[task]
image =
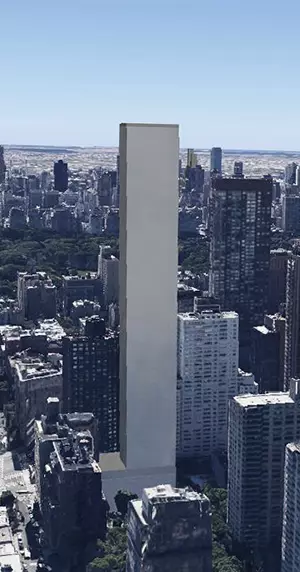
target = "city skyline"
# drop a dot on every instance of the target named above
(89, 65)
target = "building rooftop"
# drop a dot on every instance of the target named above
(81, 277)
(52, 329)
(250, 400)
(29, 367)
(294, 447)
(263, 330)
(207, 314)
(75, 453)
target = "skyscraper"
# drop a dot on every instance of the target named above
(2, 165)
(61, 176)
(238, 169)
(208, 355)
(91, 379)
(260, 426)
(240, 249)
(267, 353)
(169, 530)
(290, 551)
(291, 213)
(148, 308)
(216, 159)
(292, 326)
(277, 279)
(191, 160)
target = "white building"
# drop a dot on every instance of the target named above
(149, 156)
(260, 426)
(290, 554)
(208, 376)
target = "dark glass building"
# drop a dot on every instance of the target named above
(91, 379)
(240, 221)
(267, 355)
(2, 165)
(61, 178)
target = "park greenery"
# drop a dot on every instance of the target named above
(30, 250)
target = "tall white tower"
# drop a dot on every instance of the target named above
(208, 354)
(149, 156)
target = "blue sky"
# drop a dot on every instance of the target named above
(227, 71)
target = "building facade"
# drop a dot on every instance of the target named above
(216, 160)
(290, 550)
(61, 177)
(148, 308)
(169, 529)
(259, 429)
(36, 295)
(69, 485)
(267, 354)
(277, 279)
(292, 312)
(208, 376)
(240, 249)
(91, 381)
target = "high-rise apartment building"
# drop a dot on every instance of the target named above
(191, 160)
(291, 213)
(148, 327)
(108, 272)
(208, 376)
(216, 160)
(169, 529)
(260, 426)
(238, 169)
(290, 550)
(36, 295)
(91, 379)
(2, 165)
(277, 279)
(61, 177)
(290, 173)
(240, 249)
(267, 353)
(292, 326)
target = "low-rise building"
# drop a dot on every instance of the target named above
(69, 484)
(35, 378)
(9, 557)
(83, 287)
(169, 530)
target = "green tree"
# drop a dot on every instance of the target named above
(122, 499)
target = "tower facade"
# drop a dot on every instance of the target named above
(240, 248)
(292, 324)
(148, 308)
(216, 159)
(61, 178)
(290, 550)
(2, 165)
(260, 426)
(208, 354)
(169, 529)
(91, 380)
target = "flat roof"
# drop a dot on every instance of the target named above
(173, 125)
(263, 330)
(249, 400)
(206, 313)
(111, 462)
